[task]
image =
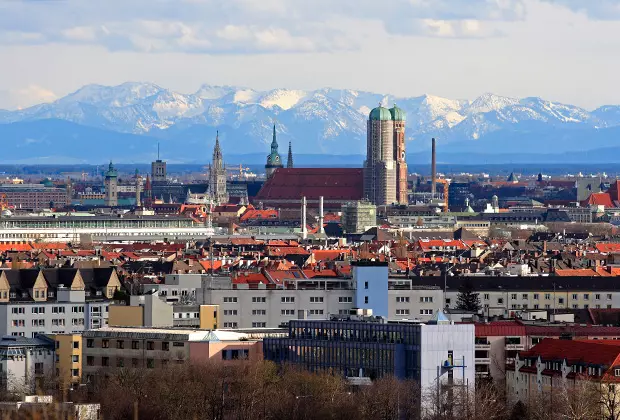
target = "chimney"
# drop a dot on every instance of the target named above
(433, 168)
(304, 230)
(321, 217)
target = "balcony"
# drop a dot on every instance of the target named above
(483, 346)
(514, 347)
(482, 360)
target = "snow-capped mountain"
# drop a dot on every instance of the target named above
(323, 121)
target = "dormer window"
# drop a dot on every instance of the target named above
(98, 293)
(12, 295)
(50, 293)
(617, 372)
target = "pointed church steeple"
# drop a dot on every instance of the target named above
(289, 160)
(273, 159)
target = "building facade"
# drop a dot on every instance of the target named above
(400, 156)
(55, 301)
(358, 216)
(273, 159)
(158, 172)
(111, 187)
(436, 356)
(217, 176)
(24, 361)
(34, 196)
(148, 348)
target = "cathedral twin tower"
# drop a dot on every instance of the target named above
(385, 168)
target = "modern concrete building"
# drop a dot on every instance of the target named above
(111, 187)
(273, 159)
(153, 309)
(358, 216)
(113, 348)
(217, 176)
(437, 356)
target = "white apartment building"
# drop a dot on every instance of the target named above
(55, 301)
(242, 306)
(23, 360)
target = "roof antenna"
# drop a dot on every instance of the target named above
(157, 150)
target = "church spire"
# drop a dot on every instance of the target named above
(289, 160)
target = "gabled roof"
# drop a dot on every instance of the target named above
(575, 351)
(332, 183)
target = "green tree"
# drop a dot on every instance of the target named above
(467, 298)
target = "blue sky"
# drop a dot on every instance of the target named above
(564, 50)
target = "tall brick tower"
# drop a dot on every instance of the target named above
(380, 166)
(398, 117)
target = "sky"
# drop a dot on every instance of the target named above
(561, 50)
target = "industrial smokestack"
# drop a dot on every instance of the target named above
(304, 230)
(433, 169)
(321, 218)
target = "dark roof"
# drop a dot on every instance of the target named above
(331, 183)
(515, 283)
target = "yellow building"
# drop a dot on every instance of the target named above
(68, 358)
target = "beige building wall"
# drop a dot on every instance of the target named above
(126, 316)
(210, 317)
(68, 358)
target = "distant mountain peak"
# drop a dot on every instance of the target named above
(326, 120)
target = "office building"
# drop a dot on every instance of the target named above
(437, 355)
(111, 187)
(114, 348)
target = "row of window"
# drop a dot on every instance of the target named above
(291, 299)
(55, 310)
(547, 296)
(135, 344)
(120, 362)
(41, 322)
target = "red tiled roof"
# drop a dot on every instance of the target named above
(500, 329)
(329, 254)
(599, 199)
(576, 330)
(7, 246)
(606, 247)
(575, 350)
(244, 278)
(331, 183)
(259, 215)
(582, 272)
(288, 250)
(206, 264)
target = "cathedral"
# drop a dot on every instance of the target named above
(385, 168)
(217, 176)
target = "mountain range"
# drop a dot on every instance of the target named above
(126, 122)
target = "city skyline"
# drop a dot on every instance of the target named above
(518, 48)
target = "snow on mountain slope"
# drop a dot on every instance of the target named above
(490, 102)
(283, 98)
(330, 120)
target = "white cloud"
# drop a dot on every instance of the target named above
(596, 9)
(210, 26)
(25, 97)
